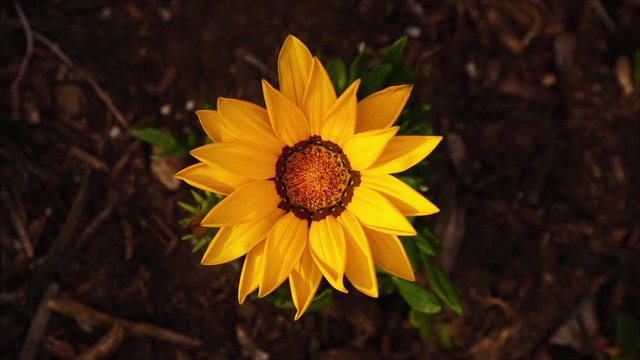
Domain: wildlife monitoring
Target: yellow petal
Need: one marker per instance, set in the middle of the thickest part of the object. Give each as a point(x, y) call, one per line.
point(401, 195)
point(240, 158)
point(402, 152)
point(211, 178)
point(294, 65)
point(376, 212)
point(363, 149)
point(340, 122)
point(213, 125)
point(326, 241)
point(381, 109)
point(232, 242)
point(389, 254)
point(360, 269)
point(318, 98)
point(249, 122)
point(304, 281)
point(250, 276)
point(287, 121)
point(282, 251)
point(251, 202)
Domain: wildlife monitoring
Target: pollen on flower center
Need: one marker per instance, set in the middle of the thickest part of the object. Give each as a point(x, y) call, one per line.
point(314, 179)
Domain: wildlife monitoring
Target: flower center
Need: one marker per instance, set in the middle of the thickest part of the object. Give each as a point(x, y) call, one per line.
point(314, 179)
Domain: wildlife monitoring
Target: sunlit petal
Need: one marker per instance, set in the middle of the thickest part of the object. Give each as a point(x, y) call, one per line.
point(402, 152)
point(360, 269)
point(232, 242)
point(318, 98)
point(213, 125)
point(240, 158)
point(294, 65)
point(304, 281)
point(283, 248)
point(363, 149)
point(251, 202)
point(376, 212)
point(381, 109)
point(211, 178)
point(326, 241)
point(340, 122)
point(250, 276)
point(250, 123)
point(287, 121)
point(389, 254)
point(401, 195)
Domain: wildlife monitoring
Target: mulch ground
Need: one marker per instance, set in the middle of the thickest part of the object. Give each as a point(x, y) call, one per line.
point(538, 176)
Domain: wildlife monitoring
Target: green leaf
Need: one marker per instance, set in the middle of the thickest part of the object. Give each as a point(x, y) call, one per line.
point(155, 136)
point(417, 297)
point(357, 67)
point(191, 139)
point(424, 246)
point(321, 301)
point(412, 251)
point(386, 286)
point(197, 197)
point(394, 54)
point(442, 287)
point(428, 243)
point(444, 337)
point(338, 74)
point(189, 208)
point(422, 322)
point(627, 335)
point(374, 80)
point(200, 244)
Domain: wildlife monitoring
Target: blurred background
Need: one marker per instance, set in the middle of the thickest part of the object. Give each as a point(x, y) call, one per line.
point(538, 177)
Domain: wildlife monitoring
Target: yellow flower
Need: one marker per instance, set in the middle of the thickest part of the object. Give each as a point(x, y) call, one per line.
point(308, 184)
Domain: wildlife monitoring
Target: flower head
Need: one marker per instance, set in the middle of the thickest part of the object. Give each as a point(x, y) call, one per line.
point(308, 182)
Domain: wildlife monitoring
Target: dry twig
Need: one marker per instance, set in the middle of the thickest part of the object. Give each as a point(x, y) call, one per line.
point(18, 223)
point(38, 326)
point(88, 316)
point(52, 259)
point(67, 61)
point(15, 94)
point(106, 345)
point(88, 158)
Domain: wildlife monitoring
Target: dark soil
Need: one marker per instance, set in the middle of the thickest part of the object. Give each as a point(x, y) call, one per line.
point(538, 175)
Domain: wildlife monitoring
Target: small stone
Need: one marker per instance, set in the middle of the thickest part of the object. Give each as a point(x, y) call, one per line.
point(115, 132)
point(413, 31)
point(165, 109)
point(70, 100)
point(165, 14)
point(105, 13)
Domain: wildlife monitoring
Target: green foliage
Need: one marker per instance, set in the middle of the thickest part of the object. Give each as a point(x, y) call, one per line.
point(281, 298)
point(338, 74)
point(442, 286)
point(417, 297)
point(394, 54)
point(627, 338)
point(165, 141)
point(358, 65)
point(374, 80)
point(199, 236)
point(423, 303)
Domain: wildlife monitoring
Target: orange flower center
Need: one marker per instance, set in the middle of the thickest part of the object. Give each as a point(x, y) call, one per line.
point(314, 179)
